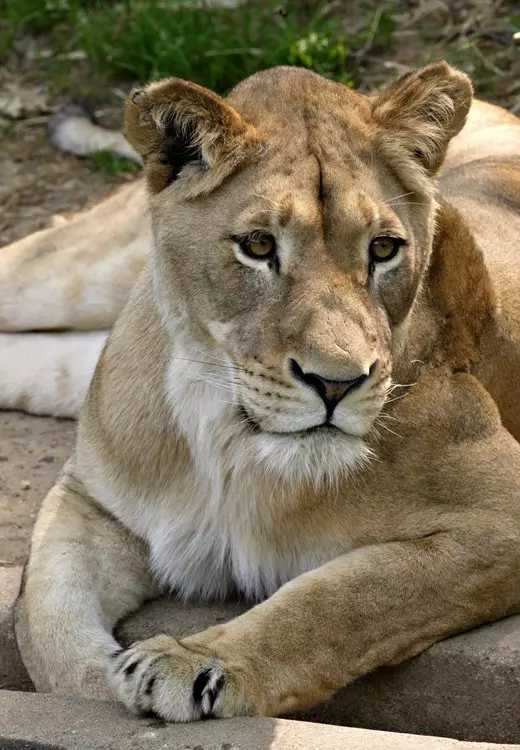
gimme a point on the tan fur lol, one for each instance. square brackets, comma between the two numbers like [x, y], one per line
[200, 466]
[174, 105]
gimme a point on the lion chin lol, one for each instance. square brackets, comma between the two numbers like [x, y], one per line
[321, 455]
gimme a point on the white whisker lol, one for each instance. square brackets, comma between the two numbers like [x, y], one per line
[212, 364]
[221, 360]
[385, 427]
[409, 203]
[394, 198]
[390, 417]
[213, 383]
[400, 385]
[396, 398]
[269, 200]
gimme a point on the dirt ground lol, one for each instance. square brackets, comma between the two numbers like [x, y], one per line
[36, 180]
[32, 452]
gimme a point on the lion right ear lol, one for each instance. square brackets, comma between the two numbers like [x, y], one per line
[174, 123]
[422, 111]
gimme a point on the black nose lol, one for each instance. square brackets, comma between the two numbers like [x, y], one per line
[331, 391]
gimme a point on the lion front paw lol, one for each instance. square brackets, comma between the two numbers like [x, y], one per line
[162, 676]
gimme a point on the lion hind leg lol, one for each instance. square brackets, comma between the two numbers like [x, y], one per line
[47, 373]
[77, 275]
[85, 572]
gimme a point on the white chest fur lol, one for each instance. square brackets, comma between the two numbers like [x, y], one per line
[215, 525]
[206, 543]
[216, 546]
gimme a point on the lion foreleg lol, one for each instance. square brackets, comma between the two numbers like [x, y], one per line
[84, 573]
[375, 606]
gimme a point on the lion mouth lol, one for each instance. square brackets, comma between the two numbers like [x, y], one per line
[247, 420]
[253, 426]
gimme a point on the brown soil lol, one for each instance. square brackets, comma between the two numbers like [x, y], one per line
[36, 180]
[32, 452]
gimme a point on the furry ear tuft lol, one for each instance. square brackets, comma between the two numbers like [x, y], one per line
[174, 123]
[422, 112]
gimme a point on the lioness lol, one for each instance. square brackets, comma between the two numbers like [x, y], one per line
[309, 397]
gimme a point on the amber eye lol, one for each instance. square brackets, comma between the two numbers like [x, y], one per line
[257, 245]
[384, 248]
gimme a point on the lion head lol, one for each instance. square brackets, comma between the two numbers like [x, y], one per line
[293, 222]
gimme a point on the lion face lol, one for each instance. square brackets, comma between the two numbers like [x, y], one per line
[292, 227]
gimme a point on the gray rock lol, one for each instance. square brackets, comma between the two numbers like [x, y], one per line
[467, 687]
[30, 721]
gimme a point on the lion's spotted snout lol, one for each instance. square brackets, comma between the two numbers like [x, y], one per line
[270, 403]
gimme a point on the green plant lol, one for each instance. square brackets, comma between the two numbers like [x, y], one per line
[326, 53]
[214, 46]
[34, 16]
[104, 161]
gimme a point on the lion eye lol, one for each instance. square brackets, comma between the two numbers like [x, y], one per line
[384, 248]
[258, 245]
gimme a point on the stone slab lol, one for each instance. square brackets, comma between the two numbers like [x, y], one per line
[467, 687]
[44, 722]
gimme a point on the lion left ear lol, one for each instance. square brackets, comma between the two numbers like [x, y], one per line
[423, 110]
[174, 123]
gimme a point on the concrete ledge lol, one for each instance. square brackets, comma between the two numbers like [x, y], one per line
[44, 722]
[467, 687]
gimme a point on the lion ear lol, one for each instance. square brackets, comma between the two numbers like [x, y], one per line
[175, 123]
[423, 110]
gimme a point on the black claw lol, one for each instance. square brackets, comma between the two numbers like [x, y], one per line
[130, 669]
[199, 689]
[201, 680]
[214, 693]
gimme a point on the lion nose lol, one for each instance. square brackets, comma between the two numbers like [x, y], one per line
[331, 391]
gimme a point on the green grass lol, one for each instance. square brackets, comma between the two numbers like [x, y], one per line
[109, 163]
[216, 47]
